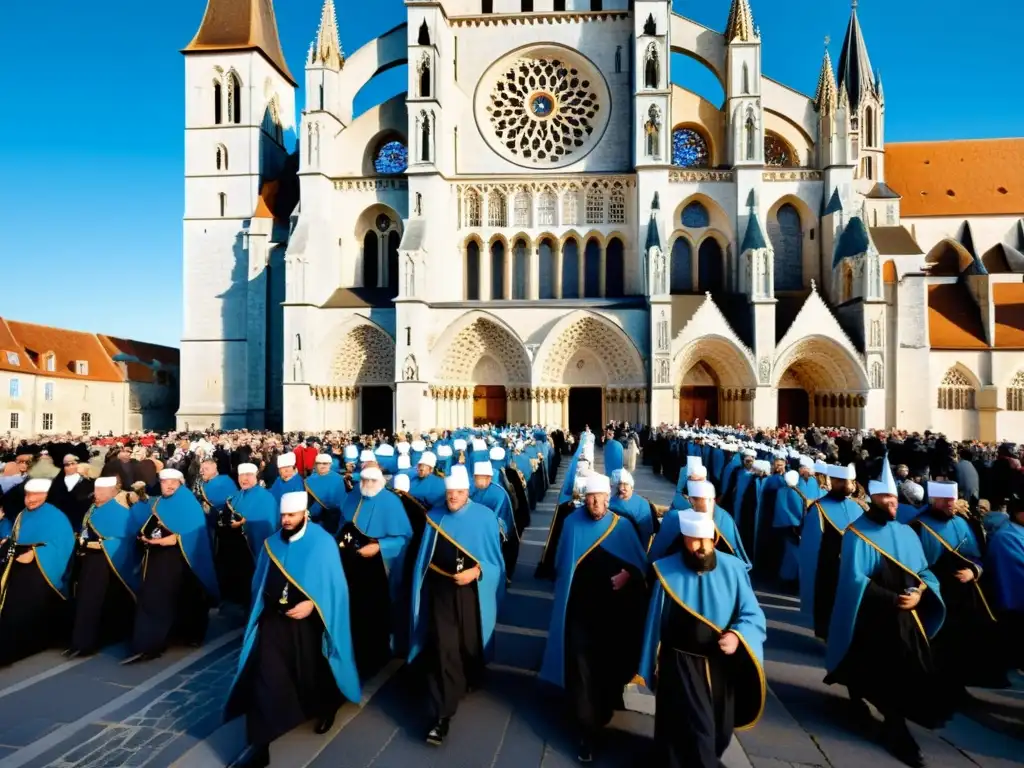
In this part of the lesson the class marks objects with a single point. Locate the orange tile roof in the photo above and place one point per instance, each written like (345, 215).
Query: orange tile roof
(954, 321)
(146, 354)
(948, 259)
(9, 344)
(1009, 301)
(958, 178)
(67, 346)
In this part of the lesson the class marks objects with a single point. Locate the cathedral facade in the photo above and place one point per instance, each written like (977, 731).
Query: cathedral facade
(545, 228)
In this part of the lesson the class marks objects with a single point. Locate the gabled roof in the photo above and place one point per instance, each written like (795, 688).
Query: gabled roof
(853, 242)
(67, 347)
(834, 205)
(19, 362)
(1003, 259)
(882, 191)
(815, 318)
(653, 236)
(954, 320)
(894, 241)
(754, 236)
(359, 298)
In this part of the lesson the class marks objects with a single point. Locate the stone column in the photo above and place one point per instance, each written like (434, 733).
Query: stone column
(557, 259)
(533, 278)
(603, 277)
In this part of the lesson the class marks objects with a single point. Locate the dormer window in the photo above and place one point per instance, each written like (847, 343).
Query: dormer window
(13, 358)
(50, 362)
(82, 367)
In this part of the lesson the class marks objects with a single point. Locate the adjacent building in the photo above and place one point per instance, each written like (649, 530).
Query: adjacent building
(546, 228)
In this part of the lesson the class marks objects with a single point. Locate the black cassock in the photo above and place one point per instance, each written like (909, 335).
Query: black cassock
(696, 709)
(748, 515)
(603, 637)
(546, 567)
(74, 503)
(104, 608)
(455, 662)
(826, 576)
(890, 662)
(233, 562)
(30, 609)
(287, 680)
(369, 601)
(171, 599)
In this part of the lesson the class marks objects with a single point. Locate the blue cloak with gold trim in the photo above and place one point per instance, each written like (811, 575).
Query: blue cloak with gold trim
(824, 512)
(48, 529)
(325, 491)
(118, 534)
(181, 514)
(474, 530)
(724, 600)
(428, 491)
(725, 526)
(1006, 560)
(262, 515)
(382, 518)
(312, 564)
(580, 535)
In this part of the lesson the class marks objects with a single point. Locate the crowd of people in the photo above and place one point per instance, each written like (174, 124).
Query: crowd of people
(906, 551)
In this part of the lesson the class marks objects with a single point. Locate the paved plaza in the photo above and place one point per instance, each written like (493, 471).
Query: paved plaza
(93, 713)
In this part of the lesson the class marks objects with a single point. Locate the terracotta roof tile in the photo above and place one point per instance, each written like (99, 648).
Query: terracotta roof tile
(1009, 301)
(958, 178)
(22, 363)
(67, 346)
(954, 321)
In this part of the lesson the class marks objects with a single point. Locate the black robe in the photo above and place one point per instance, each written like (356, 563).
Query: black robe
(696, 703)
(104, 607)
(30, 611)
(287, 679)
(603, 638)
(369, 601)
(233, 562)
(826, 576)
(171, 600)
(455, 657)
(546, 567)
(748, 514)
(74, 503)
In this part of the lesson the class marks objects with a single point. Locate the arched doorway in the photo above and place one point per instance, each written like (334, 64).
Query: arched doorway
(360, 395)
(585, 409)
(714, 380)
(490, 404)
(794, 401)
(710, 266)
(819, 381)
(698, 395)
(615, 270)
(376, 409)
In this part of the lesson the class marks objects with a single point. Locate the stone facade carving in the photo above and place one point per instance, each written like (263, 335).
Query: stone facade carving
(877, 376)
(690, 176)
(789, 175)
(765, 370)
(662, 371)
(662, 334)
(410, 371)
(477, 339)
(366, 356)
(611, 347)
(875, 339)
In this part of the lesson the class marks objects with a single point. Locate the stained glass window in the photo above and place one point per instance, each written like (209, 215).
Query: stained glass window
(393, 157)
(689, 149)
(777, 152)
(595, 206)
(617, 207)
(695, 216)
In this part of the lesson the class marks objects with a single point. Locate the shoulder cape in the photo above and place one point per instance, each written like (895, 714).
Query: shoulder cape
(384, 519)
(261, 512)
(181, 514)
(115, 527)
(48, 529)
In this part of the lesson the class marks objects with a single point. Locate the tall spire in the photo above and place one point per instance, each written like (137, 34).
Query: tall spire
(825, 98)
(741, 22)
(326, 48)
(854, 65)
(241, 25)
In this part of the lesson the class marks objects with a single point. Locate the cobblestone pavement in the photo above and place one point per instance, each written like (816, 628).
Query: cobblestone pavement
(94, 713)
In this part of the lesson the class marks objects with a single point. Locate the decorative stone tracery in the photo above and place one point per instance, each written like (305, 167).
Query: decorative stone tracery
(479, 338)
(366, 356)
(608, 344)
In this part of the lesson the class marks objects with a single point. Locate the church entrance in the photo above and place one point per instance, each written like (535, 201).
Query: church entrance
(585, 409)
(794, 407)
(376, 409)
(490, 405)
(698, 403)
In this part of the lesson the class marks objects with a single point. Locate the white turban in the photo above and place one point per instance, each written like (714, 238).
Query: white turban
(936, 490)
(248, 469)
(286, 460)
(479, 445)
(696, 525)
(913, 491)
(371, 473)
(403, 461)
(324, 458)
(483, 468)
(102, 482)
(297, 501)
(497, 454)
(748, 452)
(598, 484)
(459, 445)
(806, 461)
(351, 452)
(693, 463)
(701, 473)
(443, 451)
(792, 478)
(820, 468)
(165, 474)
(418, 446)
(403, 447)
(429, 458)
(385, 450)
(842, 473)
(457, 481)
(402, 483)
(366, 456)
(700, 489)
(625, 478)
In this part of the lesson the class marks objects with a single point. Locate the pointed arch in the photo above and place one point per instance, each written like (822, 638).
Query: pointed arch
(571, 266)
(958, 389)
(730, 362)
(218, 100)
(222, 158)
(615, 268)
(599, 340)
(473, 250)
(681, 265)
(474, 336)
(820, 363)
(234, 86)
(363, 354)
(1015, 393)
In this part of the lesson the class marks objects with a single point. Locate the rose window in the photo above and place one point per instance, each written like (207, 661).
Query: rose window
(545, 111)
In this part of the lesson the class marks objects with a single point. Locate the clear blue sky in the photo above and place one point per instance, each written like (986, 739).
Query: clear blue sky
(91, 201)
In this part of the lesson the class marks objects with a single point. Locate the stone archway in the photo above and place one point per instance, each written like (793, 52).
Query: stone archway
(714, 380)
(478, 355)
(360, 394)
(819, 382)
(589, 354)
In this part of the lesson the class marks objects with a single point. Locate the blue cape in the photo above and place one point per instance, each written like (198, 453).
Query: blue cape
(570, 476)
(313, 565)
(262, 515)
(743, 480)
(865, 544)
(724, 600)
(612, 456)
(474, 530)
(809, 486)
(825, 511)
(790, 504)
(181, 514)
(729, 470)
(49, 528)
(638, 511)
(907, 513)
(428, 491)
(716, 461)
(1006, 559)
(216, 491)
(725, 527)
(581, 534)
(496, 498)
(383, 518)
(281, 487)
(325, 492)
(115, 527)
(939, 536)
(766, 504)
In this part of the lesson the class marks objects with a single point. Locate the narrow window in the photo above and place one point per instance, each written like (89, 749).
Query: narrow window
(48, 392)
(527, 6)
(47, 421)
(321, 95)
(218, 103)
(15, 420)
(86, 423)
(596, 5)
(559, 5)
(235, 99)
(487, 6)
(223, 202)
(425, 140)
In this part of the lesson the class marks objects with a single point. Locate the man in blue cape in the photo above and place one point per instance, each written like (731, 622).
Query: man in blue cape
(613, 451)
(808, 483)
(702, 650)
(763, 519)
(488, 493)
(954, 556)
(288, 478)
(213, 491)
(34, 561)
(386, 459)
(458, 582)
(374, 536)
(570, 497)
(635, 508)
(254, 517)
(780, 558)
(887, 608)
(179, 582)
(296, 662)
(108, 572)
(702, 500)
(594, 637)
(427, 488)
(327, 493)
(1005, 572)
(821, 540)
